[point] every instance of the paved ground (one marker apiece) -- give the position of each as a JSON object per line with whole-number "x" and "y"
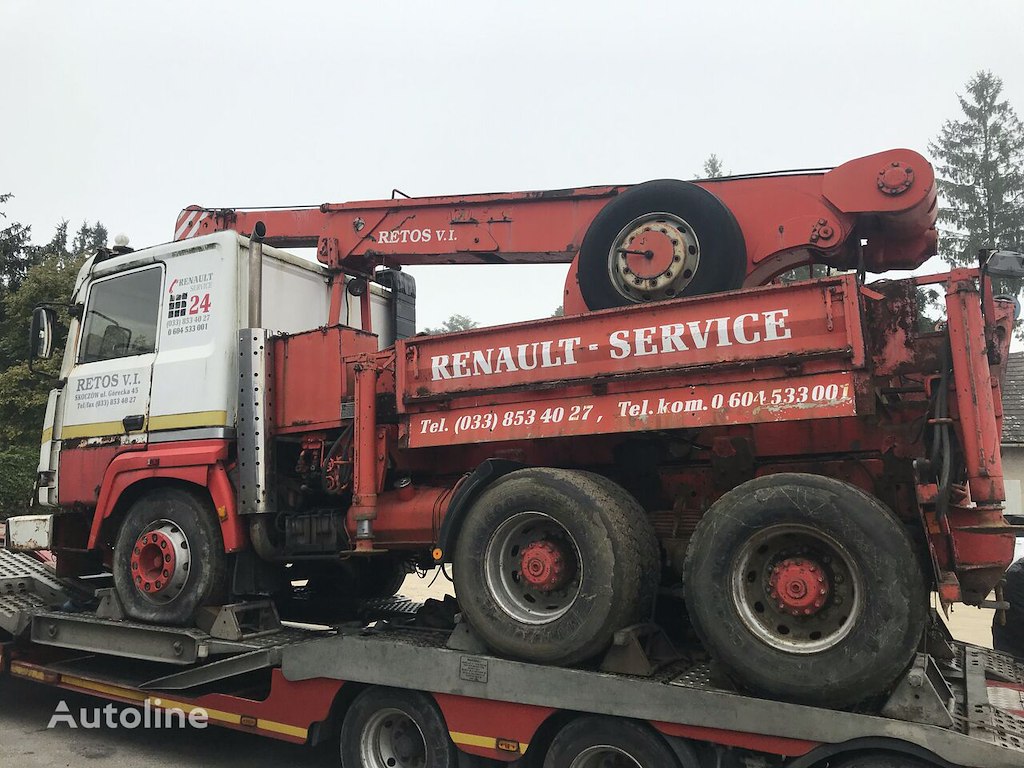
{"x": 26, "y": 708}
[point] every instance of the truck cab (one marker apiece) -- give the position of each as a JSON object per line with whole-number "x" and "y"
{"x": 151, "y": 355}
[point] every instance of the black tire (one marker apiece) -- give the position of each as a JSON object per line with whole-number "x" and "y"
{"x": 698, "y": 225}
{"x": 367, "y": 578}
{"x": 391, "y": 728}
{"x": 198, "y": 571}
{"x": 591, "y": 742}
{"x": 806, "y": 589}
{"x": 602, "y": 552}
{"x": 380, "y": 576}
{"x": 881, "y": 760}
{"x": 1008, "y": 627}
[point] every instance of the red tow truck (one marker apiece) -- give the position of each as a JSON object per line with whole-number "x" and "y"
{"x": 771, "y": 475}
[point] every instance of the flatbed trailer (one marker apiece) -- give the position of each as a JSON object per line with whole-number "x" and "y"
{"x": 959, "y": 705}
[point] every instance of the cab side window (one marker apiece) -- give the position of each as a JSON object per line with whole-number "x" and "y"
{"x": 122, "y": 316}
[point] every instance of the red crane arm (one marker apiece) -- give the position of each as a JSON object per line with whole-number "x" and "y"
{"x": 787, "y": 219}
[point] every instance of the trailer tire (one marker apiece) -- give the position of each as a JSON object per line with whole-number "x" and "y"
{"x": 805, "y": 589}
{"x": 391, "y": 728}
{"x": 180, "y": 526}
{"x": 592, "y": 741}
{"x": 685, "y": 242}
{"x": 550, "y": 563}
{"x": 882, "y": 760}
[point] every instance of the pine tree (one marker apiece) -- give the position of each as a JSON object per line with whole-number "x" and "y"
{"x": 16, "y": 254}
{"x": 713, "y": 167}
{"x": 981, "y": 175}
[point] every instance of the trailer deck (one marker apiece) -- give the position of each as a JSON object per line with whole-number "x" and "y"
{"x": 960, "y": 706}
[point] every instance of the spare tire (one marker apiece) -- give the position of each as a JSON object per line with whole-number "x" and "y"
{"x": 660, "y": 240}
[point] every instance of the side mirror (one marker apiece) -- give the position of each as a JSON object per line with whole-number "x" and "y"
{"x": 40, "y": 340}
{"x": 1005, "y": 264}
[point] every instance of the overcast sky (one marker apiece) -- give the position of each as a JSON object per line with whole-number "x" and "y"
{"x": 125, "y": 112}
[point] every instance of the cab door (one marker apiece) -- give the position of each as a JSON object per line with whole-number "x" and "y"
{"x": 105, "y": 402}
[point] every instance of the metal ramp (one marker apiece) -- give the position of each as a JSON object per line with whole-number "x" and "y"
{"x": 26, "y": 587}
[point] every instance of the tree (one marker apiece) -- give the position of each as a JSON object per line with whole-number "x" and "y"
{"x": 452, "y": 324}
{"x": 981, "y": 175}
{"x": 30, "y": 275}
{"x": 16, "y": 255}
{"x": 713, "y": 167}
{"x": 559, "y": 311}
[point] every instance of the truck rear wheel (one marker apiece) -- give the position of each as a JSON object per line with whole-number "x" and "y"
{"x": 805, "y": 589}
{"x": 660, "y": 240}
{"x": 608, "y": 742}
{"x": 169, "y": 557}
{"x": 550, "y": 563}
{"x": 391, "y": 728}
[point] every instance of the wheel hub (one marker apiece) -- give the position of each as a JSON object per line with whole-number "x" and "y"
{"x": 796, "y": 588}
{"x": 392, "y": 739}
{"x": 799, "y": 586}
{"x": 160, "y": 562}
{"x": 544, "y": 566}
{"x": 654, "y": 257}
{"x": 532, "y": 568}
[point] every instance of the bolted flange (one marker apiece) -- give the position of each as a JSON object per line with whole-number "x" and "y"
{"x": 799, "y": 586}
{"x": 895, "y": 178}
{"x": 544, "y": 566}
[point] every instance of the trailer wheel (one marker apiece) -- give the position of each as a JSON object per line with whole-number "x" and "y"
{"x": 608, "y": 742}
{"x": 882, "y": 760}
{"x": 390, "y": 728}
{"x": 169, "y": 557}
{"x": 550, "y": 563}
{"x": 806, "y": 589}
{"x": 660, "y": 240}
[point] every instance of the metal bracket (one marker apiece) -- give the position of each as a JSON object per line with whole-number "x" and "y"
{"x": 256, "y": 493}
{"x": 641, "y": 650}
{"x": 239, "y": 621}
{"x": 922, "y": 695}
{"x": 110, "y": 606}
{"x": 463, "y": 638}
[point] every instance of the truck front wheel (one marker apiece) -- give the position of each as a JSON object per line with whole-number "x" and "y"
{"x": 550, "y": 563}
{"x": 805, "y": 589}
{"x": 169, "y": 557}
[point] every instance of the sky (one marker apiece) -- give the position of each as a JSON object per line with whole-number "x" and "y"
{"x": 125, "y": 112}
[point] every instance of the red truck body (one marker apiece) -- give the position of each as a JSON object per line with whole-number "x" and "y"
{"x": 663, "y": 414}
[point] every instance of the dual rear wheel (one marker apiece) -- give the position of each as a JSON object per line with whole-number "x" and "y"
{"x": 394, "y": 728}
{"x": 802, "y": 587}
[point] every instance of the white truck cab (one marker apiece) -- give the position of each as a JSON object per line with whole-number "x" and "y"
{"x": 151, "y": 355}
